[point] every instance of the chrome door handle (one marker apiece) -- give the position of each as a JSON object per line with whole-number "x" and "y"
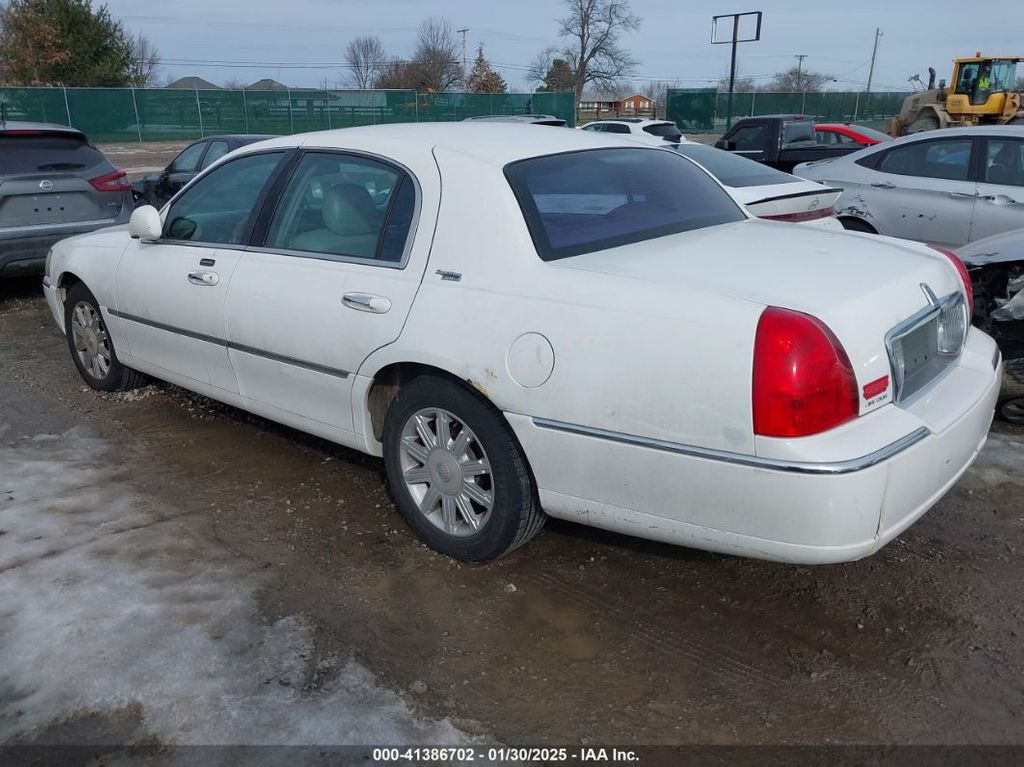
{"x": 962, "y": 194}
{"x": 202, "y": 277}
{"x": 366, "y": 302}
{"x": 882, "y": 185}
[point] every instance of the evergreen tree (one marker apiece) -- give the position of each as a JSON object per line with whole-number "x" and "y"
{"x": 483, "y": 79}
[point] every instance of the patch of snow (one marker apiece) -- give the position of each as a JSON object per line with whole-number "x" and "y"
{"x": 110, "y": 598}
{"x": 1001, "y": 461}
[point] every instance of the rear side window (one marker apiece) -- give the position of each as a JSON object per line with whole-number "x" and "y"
{"x": 616, "y": 128}
{"x": 947, "y": 159}
{"x": 581, "y": 202}
{"x": 797, "y": 132}
{"x": 47, "y": 154}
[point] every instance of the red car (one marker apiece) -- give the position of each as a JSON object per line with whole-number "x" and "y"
{"x": 845, "y": 134}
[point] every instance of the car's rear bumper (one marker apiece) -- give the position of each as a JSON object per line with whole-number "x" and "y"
{"x": 769, "y": 508}
{"x": 26, "y": 254}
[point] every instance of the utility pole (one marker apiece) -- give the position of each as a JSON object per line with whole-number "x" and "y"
{"x": 463, "y": 32}
{"x": 799, "y": 70}
{"x": 874, "y": 53}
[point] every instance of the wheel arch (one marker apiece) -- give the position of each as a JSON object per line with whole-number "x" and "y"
{"x": 382, "y": 386}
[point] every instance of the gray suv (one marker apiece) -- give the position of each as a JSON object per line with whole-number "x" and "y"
{"x": 53, "y": 184}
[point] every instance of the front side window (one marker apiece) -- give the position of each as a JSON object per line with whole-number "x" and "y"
{"x": 968, "y": 79}
{"x": 217, "y": 150}
{"x": 581, "y": 202}
{"x": 188, "y": 160}
{"x": 749, "y": 138}
{"x": 596, "y": 127}
{"x": 346, "y": 206}
{"x": 1005, "y": 162}
{"x": 220, "y": 206}
{"x": 825, "y": 137}
{"x": 948, "y": 160}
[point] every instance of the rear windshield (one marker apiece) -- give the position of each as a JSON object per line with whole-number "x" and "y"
{"x": 732, "y": 169}
{"x": 797, "y": 132}
{"x": 47, "y": 154}
{"x": 663, "y": 129}
{"x": 581, "y": 202}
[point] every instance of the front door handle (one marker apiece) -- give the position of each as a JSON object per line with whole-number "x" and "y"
{"x": 962, "y": 194}
{"x": 366, "y": 302}
{"x": 882, "y": 185}
{"x": 203, "y": 277}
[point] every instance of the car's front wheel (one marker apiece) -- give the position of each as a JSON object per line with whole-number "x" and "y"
{"x": 92, "y": 348}
{"x": 457, "y": 472}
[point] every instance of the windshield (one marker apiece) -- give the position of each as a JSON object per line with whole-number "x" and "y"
{"x": 877, "y": 135}
{"x": 1004, "y": 75}
{"x": 668, "y": 130}
{"x": 797, "y": 131}
{"x": 732, "y": 169}
{"x": 581, "y": 202}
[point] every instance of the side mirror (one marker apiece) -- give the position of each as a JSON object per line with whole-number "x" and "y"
{"x": 730, "y": 146}
{"x": 145, "y": 224}
{"x": 720, "y": 144}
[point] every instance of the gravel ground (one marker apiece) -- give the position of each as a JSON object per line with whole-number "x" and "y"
{"x": 173, "y": 570}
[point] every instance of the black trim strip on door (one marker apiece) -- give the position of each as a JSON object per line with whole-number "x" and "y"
{"x": 231, "y": 345}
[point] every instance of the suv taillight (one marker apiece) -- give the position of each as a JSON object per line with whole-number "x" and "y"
{"x": 803, "y": 382}
{"x": 965, "y": 278}
{"x": 111, "y": 182}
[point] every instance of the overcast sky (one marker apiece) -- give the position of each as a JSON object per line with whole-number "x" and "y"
{"x": 672, "y": 44}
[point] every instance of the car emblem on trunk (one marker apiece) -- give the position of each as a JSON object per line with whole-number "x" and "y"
{"x": 929, "y": 294}
{"x": 46, "y": 185}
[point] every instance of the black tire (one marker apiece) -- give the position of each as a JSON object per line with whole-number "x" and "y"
{"x": 116, "y": 377}
{"x": 922, "y": 124}
{"x": 1011, "y": 409}
{"x": 515, "y": 515}
{"x": 856, "y": 225}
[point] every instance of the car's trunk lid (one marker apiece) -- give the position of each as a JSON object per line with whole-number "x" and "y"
{"x": 796, "y": 202}
{"x": 861, "y": 286}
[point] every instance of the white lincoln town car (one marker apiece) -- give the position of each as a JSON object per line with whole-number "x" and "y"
{"x": 527, "y": 322}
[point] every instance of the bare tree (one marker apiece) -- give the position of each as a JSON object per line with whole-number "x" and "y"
{"x": 795, "y": 80}
{"x": 365, "y": 57}
{"x": 436, "y": 59}
{"x": 657, "y": 91}
{"x": 593, "y": 50}
{"x": 234, "y": 84}
{"x": 549, "y": 71}
{"x": 396, "y": 75}
{"x": 145, "y": 62}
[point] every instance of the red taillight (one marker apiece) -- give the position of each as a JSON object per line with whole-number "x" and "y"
{"x": 964, "y": 277}
{"x": 806, "y": 215}
{"x": 803, "y": 382}
{"x": 112, "y": 182}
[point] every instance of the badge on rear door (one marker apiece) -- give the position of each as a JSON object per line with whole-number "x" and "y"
{"x": 46, "y": 185}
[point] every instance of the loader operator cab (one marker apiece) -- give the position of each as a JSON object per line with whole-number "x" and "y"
{"x": 981, "y": 85}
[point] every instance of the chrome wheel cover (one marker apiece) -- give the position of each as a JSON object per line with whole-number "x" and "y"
{"x": 446, "y": 472}
{"x": 92, "y": 343}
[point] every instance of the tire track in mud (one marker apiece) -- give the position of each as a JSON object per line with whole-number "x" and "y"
{"x": 723, "y": 663}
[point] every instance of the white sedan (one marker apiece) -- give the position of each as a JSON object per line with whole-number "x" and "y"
{"x": 529, "y": 323}
{"x": 947, "y": 187}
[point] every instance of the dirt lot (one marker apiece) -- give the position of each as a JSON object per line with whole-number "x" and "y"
{"x": 178, "y": 571}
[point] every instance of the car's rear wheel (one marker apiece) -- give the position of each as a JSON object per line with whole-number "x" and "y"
{"x": 856, "y": 225}
{"x": 457, "y": 472}
{"x": 92, "y": 348}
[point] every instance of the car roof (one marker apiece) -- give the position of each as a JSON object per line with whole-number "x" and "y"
{"x": 16, "y": 125}
{"x": 631, "y": 121}
{"x": 515, "y": 118}
{"x": 497, "y": 143}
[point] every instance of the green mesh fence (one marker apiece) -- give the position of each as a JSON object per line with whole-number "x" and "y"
{"x": 160, "y": 114}
{"x": 706, "y": 109}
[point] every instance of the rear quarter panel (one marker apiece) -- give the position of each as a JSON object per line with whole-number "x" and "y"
{"x": 629, "y": 356}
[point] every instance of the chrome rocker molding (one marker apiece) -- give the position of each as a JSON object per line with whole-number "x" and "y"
{"x": 230, "y": 345}
{"x": 799, "y": 467}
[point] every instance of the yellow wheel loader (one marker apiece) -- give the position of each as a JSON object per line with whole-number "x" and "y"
{"x": 983, "y": 91}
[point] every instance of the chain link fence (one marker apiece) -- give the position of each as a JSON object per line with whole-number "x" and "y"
{"x": 705, "y": 109}
{"x": 163, "y": 114}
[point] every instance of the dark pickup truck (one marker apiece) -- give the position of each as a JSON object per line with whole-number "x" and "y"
{"x": 781, "y": 141}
